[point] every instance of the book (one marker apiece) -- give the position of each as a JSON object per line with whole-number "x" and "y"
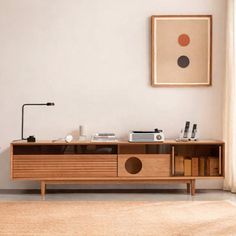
{"x": 194, "y": 166}
{"x": 179, "y": 165}
{"x": 202, "y": 166}
{"x": 187, "y": 167}
{"x": 212, "y": 166}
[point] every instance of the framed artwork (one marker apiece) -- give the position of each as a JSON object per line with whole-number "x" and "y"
{"x": 181, "y": 50}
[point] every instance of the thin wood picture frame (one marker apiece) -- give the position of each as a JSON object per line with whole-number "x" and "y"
{"x": 181, "y": 53}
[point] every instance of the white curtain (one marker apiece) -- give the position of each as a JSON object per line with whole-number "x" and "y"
{"x": 230, "y": 100}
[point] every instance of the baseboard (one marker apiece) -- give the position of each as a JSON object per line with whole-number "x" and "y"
{"x": 55, "y": 191}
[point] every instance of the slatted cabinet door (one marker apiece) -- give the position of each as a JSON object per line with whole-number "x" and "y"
{"x": 63, "y": 166}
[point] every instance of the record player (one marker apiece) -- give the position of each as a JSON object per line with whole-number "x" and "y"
{"x": 146, "y": 136}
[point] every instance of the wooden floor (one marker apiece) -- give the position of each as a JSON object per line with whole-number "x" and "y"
{"x": 117, "y": 217}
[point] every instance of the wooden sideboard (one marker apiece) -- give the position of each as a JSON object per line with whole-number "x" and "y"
{"x": 117, "y": 162}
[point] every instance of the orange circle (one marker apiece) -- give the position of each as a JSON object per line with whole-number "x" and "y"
{"x": 184, "y": 40}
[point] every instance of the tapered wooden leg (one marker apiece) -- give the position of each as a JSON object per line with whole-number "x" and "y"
{"x": 193, "y": 187}
{"x": 188, "y": 187}
{"x": 43, "y": 189}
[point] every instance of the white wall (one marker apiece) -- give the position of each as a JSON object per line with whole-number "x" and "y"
{"x": 92, "y": 58}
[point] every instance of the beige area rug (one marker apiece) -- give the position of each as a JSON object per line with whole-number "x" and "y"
{"x": 90, "y": 218}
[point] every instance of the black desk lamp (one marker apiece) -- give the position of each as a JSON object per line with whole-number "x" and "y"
{"x": 31, "y": 138}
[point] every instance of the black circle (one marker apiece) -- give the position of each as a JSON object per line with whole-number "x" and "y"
{"x": 183, "y": 61}
{"x": 133, "y": 165}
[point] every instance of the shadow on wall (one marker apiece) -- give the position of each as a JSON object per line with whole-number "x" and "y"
{"x": 5, "y": 167}
{"x": 5, "y": 174}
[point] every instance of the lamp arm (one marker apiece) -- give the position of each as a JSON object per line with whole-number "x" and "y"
{"x": 34, "y": 104}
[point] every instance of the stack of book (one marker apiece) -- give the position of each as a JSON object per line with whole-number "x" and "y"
{"x": 104, "y": 137}
{"x": 196, "y": 166}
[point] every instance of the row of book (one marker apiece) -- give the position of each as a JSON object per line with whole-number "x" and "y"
{"x": 196, "y": 166}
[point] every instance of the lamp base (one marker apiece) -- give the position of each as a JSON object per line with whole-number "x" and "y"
{"x": 31, "y": 139}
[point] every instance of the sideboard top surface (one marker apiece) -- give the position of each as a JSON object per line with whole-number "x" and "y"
{"x": 124, "y": 142}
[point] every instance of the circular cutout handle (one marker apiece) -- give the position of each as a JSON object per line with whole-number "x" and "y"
{"x": 133, "y": 165}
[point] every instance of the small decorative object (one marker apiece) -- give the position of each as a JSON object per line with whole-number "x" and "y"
{"x": 82, "y": 133}
{"x": 181, "y": 133}
{"x": 68, "y": 138}
{"x": 30, "y": 138}
{"x": 181, "y": 50}
{"x": 155, "y": 135}
{"x": 194, "y": 134}
{"x": 185, "y": 135}
{"x": 186, "y": 129}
